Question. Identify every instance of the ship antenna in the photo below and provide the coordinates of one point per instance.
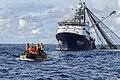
(80, 1)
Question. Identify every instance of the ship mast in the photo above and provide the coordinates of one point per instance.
(80, 12)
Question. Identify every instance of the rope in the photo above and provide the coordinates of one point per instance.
(95, 19)
(95, 29)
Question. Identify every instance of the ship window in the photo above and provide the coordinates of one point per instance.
(81, 17)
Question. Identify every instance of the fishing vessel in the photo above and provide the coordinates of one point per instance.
(74, 34)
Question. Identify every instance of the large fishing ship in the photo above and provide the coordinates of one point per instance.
(74, 34)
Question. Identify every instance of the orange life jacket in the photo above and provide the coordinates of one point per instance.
(31, 50)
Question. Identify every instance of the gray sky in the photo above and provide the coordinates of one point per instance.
(23, 21)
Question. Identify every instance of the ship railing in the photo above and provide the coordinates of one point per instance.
(72, 27)
(71, 23)
(73, 30)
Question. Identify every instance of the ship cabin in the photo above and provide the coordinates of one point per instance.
(74, 27)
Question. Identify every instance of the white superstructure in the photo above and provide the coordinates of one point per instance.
(74, 34)
(77, 25)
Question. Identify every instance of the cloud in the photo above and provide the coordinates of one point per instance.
(102, 5)
(98, 4)
(117, 19)
(25, 19)
(22, 23)
(119, 4)
(36, 31)
(4, 22)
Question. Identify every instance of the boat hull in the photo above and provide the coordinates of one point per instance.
(71, 41)
(36, 57)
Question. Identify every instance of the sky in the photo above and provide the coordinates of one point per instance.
(35, 21)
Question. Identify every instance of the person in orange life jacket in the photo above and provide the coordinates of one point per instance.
(31, 50)
(32, 53)
(27, 48)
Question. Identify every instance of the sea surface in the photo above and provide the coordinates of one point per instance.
(60, 65)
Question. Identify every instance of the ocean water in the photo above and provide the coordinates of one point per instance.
(60, 65)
